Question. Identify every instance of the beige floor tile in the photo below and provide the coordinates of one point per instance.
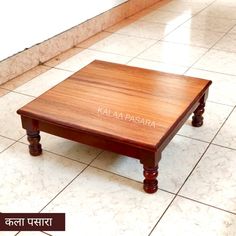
(94, 39)
(32, 234)
(218, 61)
(122, 24)
(63, 57)
(192, 218)
(214, 116)
(29, 183)
(178, 159)
(227, 135)
(145, 29)
(3, 92)
(5, 143)
(154, 65)
(233, 30)
(24, 78)
(229, 3)
(205, 22)
(123, 45)
(171, 19)
(8, 233)
(172, 53)
(43, 82)
(220, 11)
(223, 86)
(227, 43)
(112, 205)
(86, 56)
(184, 6)
(213, 180)
(67, 148)
(10, 122)
(194, 37)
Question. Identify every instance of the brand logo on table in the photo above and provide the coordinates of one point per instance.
(126, 117)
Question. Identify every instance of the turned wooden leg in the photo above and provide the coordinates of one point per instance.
(150, 182)
(35, 148)
(197, 119)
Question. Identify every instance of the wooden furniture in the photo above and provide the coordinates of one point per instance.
(128, 110)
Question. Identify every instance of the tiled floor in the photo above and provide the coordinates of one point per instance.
(101, 192)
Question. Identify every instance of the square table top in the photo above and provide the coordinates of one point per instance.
(128, 104)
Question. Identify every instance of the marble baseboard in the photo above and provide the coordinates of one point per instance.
(40, 53)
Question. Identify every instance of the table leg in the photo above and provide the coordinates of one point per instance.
(35, 148)
(150, 183)
(197, 119)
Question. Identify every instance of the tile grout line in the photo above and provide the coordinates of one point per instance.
(177, 194)
(88, 165)
(15, 141)
(208, 205)
(123, 176)
(136, 57)
(63, 188)
(211, 48)
(210, 143)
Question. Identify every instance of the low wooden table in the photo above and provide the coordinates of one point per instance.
(127, 110)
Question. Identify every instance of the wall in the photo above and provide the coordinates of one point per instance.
(24, 23)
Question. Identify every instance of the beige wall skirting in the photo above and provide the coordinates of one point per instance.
(40, 53)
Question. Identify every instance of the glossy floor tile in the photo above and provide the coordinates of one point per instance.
(221, 11)
(3, 92)
(154, 65)
(173, 53)
(194, 37)
(9, 233)
(145, 29)
(63, 57)
(5, 143)
(223, 86)
(29, 183)
(176, 163)
(213, 180)
(228, 3)
(43, 82)
(86, 56)
(192, 7)
(110, 204)
(227, 135)
(214, 116)
(24, 78)
(233, 30)
(227, 43)
(67, 148)
(205, 22)
(171, 19)
(192, 218)
(10, 123)
(32, 234)
(218, 61)
(123, 44)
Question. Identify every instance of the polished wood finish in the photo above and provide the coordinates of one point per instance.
(128, 110)
(197, 119)
(150, 183)
(35, 148)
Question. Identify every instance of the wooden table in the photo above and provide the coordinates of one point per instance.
(127, 110)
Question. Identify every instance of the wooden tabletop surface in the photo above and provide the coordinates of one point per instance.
(124, 103)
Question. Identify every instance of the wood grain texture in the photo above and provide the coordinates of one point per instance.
(128, 110)
(149, 95)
